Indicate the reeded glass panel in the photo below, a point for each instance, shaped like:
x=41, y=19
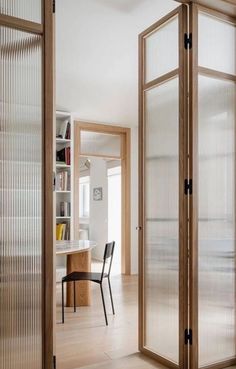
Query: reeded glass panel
x=160, y=58
x=217, y=44
x=216, y=220
x=20, y=200
x=26, y=9
x=162, y=220
x=100, y=144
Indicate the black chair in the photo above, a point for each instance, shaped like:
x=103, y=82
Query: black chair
x=93, y=277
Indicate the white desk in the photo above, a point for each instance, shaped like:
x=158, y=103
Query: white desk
x=74, y=247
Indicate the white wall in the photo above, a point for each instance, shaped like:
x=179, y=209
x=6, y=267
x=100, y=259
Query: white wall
x=98, y=221
x=134, y=200
x=114, y=214
x=97, y=67
x=97, y=56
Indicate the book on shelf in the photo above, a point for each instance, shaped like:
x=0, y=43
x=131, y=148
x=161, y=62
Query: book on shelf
x=64, y=209
x=64, y=131
x=62, y=231
x=63, y=156
x=68, y=129
x=63, y=181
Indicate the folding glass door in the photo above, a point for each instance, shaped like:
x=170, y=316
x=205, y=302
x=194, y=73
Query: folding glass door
x=187, y=189
x=163, y=207
x=213, y=287
x=24, y=173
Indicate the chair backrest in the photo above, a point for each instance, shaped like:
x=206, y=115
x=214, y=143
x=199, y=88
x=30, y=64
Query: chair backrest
x=108, y=253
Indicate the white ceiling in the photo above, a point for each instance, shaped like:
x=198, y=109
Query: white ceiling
x=97, y=56
x=121, y=5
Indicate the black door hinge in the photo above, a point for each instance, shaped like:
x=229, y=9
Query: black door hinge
x=54, y=6
x=54, y=362
x=188, y=43
x=53, y=181
x=188, y=337
x=188, y=186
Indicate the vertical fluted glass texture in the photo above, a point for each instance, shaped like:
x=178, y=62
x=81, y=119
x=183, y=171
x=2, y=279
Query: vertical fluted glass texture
x=217, y=51
x=20, y=200
x=161, y=59
x=216, y=224
x=162, y=220
x=25, y=9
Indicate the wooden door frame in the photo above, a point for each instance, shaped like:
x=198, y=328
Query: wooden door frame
x=227, y=7
x=195, y=71
x=182, y=72
x=49, y=195
x=124, y=134
x=45, y=29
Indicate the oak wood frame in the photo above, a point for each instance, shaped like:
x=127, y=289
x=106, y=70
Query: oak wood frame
x=227, y=7
x=124, y=134
x=195, y=71
x=46, y=30
x=21, y=24
x=49, y=196
x=182, y=72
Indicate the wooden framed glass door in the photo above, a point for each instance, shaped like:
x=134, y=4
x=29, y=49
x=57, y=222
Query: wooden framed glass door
x=26, y=186
x=163, y=204
x=213, y=132
x=187, y=284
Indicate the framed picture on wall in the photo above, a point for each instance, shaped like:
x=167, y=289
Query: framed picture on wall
x=97, y=194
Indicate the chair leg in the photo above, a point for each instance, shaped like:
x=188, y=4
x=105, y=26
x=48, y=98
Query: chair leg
x=112, y=304
x=103, y=302
x=62, y=302
x=74, y=298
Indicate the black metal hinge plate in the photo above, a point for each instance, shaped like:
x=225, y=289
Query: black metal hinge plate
x=188, y=43
x=54, y=181
x=188, y=186
x=54, y=6
x=54, y=365
x=188, y=337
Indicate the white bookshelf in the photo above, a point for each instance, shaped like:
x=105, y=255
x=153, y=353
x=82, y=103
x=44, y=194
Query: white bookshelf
x=62, y=165
x=64, y=194
x=62, y=140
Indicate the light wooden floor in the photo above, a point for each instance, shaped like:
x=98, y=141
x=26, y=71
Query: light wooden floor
x=85, y=342
x=135, y=361
x=84, y=339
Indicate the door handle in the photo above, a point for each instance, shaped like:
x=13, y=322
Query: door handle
x=139, y=228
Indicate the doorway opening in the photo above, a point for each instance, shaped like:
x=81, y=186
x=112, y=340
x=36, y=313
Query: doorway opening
x=102, y=158
x=101, y=214
x=101, y=219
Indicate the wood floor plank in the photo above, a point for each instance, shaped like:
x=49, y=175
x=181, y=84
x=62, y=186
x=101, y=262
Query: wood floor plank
x=135, y=361
x=84, y=339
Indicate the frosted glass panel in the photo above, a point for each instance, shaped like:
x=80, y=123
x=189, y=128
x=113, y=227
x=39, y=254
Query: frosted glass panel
x=25, y=9
x=162, y=221
x=217, y=44
x=100, y=144
x=216, y=220
x=160, y=58
x=20, y=200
